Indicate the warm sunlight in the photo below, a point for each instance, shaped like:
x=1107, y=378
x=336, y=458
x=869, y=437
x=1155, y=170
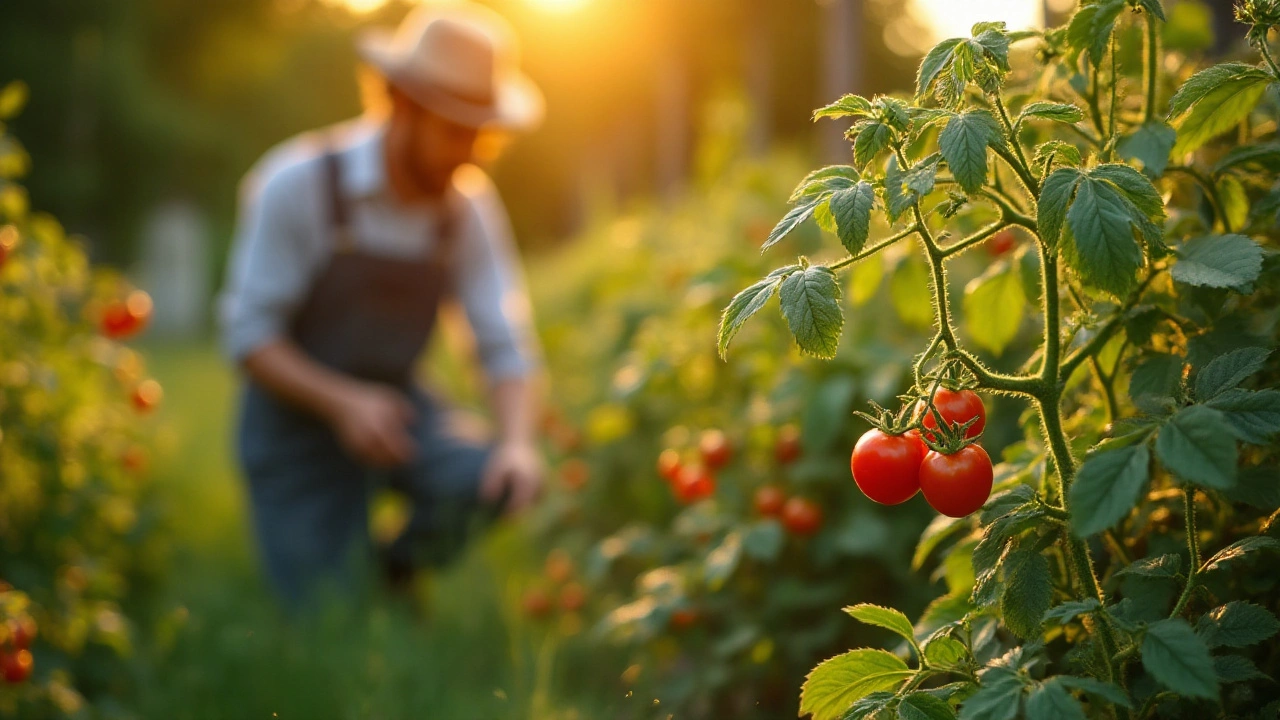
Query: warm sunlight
x=560, y=6
x=359, y=6
x=948, y=18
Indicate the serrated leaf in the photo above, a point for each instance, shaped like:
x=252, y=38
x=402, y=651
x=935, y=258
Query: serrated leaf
x=792, y=220
x=1058, y=150
x=1028, y=590
x=1055, y=197
x=1236, y=668
x=1221, y=261
x=1051, y=701
x=999, y=698
x=1237, y=624
x=852, y=211
x=872, y=707
x=1149, y=145
x=1060, y=112
x=1068, y=611
x=1239, y=549
x=934, y=63
x=964, y=142
x=848, y=105
x=1254, y=417
x=1196, y=446
x=1265, y=155
x=1137, y=188
x=1090, y=28
x=884, y=617
x=897, y=198
x=871, y=139
x=811, y=304
x=825, y=181
x=922, y=176
x=1173, y=654
x=1096, y=688
x=1107, y=487
x=1233, y=201
x=994, y=305
x=1103, y=250
x=835, y=684
x=920, y=706
x=1159, y=375
x=1227, y=371
x=1214, y=101
x=1160, y=566
x=946, y=652
x=742, y=306
x=764, y=540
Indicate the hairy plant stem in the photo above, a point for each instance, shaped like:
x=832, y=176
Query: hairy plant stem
x=1111, y=108
x=1193, y=551
x=871, y=250
x=1021, y=167
x=1266, y=55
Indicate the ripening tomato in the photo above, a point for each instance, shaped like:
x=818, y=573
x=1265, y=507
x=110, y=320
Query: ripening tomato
x=683, y=618
x=957, y=407
x=787, y=448
x=536, y=603
x=559, y=567
x=134, y=460
x=124, y=318
x=715, y=449
x=147, y=395
x=769, y=500
x=887, y=467
x=574, y=473
x=801, y=516
x=669, y=464
x=16, y=666
x=694, y=483
x=8, y=241
x=958, y=484
x=22, y=631
x=573, y=597
x=1002, y=242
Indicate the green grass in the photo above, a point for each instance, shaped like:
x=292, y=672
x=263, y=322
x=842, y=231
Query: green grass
x=216, y=645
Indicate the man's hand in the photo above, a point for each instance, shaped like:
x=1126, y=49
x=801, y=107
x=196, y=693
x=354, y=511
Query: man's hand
x=372, y=423
x=514, y=467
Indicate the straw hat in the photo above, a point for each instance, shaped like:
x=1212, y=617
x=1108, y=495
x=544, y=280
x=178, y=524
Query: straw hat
x=460, y=61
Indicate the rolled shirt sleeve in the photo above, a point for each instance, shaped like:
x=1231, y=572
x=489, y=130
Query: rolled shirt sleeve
x=491, y=288
x=273, y=258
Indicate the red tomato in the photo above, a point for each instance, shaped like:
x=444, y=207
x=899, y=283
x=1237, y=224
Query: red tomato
x=787, y=449
x=801, y=516
x=669, y=464
x=715, y=449
x=573, y=597
x=957, y=484
x=887, y=467
x=536, y=603
x=684, y=618
x=694, y=483
x=769, y=500
x=559, y=567
x=22, y=631
x=16, y=666
x=957, y=408
x=125, y=318
x=1002, y=242
x=147, y=396
x=8, y=241
x=574, y=473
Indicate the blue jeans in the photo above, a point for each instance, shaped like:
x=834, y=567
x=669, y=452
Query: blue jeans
x=310, y=498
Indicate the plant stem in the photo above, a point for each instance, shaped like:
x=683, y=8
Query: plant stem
x=1153, y=67
x=1111, y=109
x=1193, y=551
x=1021, y=167
x=1052, y=318
x=868, y=252
x=975, y=238
x=1266, y=54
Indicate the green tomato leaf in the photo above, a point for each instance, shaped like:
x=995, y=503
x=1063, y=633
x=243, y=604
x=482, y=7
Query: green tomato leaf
x=1149, y=145
x=793, y=219
x=933, y=65
x=1173, y=654
x=1238, y=550
x=994, y=305
x=999, y=698
x=964, y=142
x=1051, y=701
x=848, y=105
x=833, y=686
x=922, y=706
x=1254, y=417
x=1264, y=155
x=1236, y=668
x=744, y=305
x=946, y=652
x=1028, y=591
x=1103, y=250
x=884, y=617
x=852, y=211
x=871, y=139
x=1137, y=188
x=1107, y=487
x=870, y=707
x=811, y=305
x=1068, y=611
x=1096, y=688
x=1237, y=624
x=1227, y=371
x=1060, y=112
x=1214, y=101
x=1195, y=445
x=1058, y=151
x=1160, y=566
x=1055, y=197
x=1220, y=261
x=825, y=181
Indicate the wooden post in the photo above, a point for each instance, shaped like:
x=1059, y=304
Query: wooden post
x=843, y=59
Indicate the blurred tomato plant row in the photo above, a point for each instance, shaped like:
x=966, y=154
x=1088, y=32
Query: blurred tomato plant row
x=78, y=519
x=1119, y=570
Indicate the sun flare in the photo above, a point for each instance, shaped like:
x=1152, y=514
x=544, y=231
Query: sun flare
x=559, y=6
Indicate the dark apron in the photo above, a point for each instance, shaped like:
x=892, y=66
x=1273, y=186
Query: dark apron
x=368, y=317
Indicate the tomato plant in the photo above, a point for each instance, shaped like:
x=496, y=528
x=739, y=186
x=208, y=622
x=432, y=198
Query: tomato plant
x=956, y=484
x=1112, y=586
x=887, y=467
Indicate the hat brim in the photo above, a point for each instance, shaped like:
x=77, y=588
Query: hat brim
x=518, y=104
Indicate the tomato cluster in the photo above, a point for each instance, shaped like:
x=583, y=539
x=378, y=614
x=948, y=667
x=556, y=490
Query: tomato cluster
x=559, y=589
x=123, y=318
x=695, y=480
x=890, y=469
x=16, y=636
x=800, y=516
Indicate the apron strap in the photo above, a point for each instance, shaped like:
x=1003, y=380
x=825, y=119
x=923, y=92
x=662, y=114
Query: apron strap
x=339, y=218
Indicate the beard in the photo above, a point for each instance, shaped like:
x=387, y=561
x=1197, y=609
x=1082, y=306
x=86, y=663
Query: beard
x=429, y=180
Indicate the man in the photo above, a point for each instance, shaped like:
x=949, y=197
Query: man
x=348, y=241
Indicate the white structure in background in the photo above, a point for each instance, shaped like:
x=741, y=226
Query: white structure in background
x=174, y=268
